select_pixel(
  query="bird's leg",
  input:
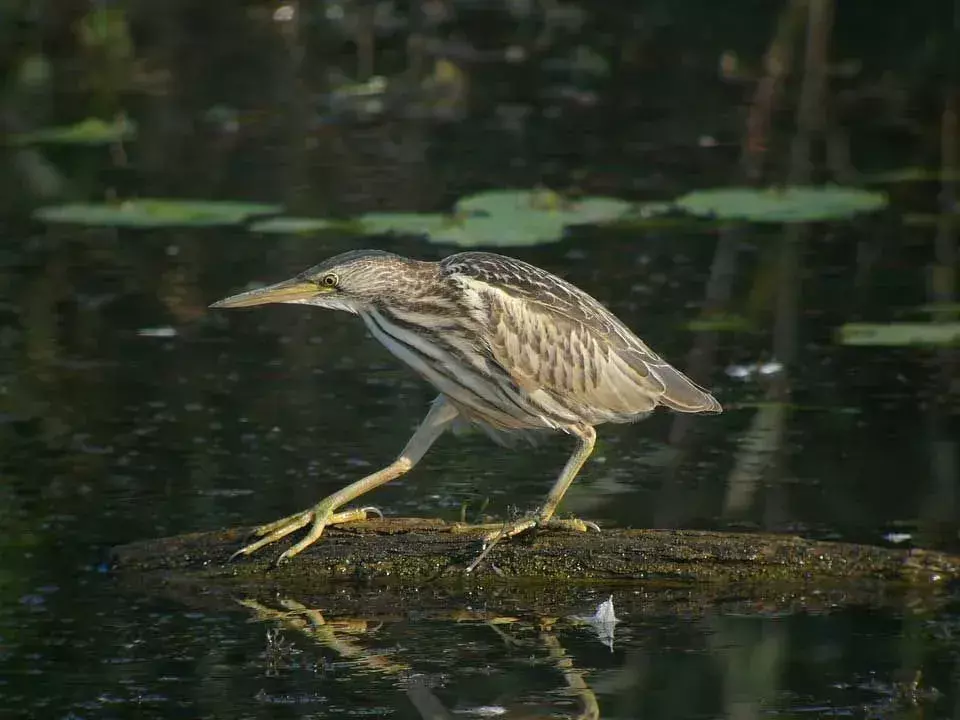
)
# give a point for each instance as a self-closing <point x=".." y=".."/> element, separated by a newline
<point x="322" y="514"/>
<point x="543" y="517"/>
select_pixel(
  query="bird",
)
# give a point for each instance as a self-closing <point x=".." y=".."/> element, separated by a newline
<point x="511" y="348"/>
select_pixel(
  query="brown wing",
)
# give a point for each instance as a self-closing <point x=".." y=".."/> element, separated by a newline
<point x="589" y="370"/>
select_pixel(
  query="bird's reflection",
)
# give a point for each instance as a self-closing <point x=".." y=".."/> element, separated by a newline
<point x="344" y="636"/>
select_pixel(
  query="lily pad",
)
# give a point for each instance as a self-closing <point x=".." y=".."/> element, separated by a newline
<point x="900" y="334"/>
<point x="516" y="218"/>
<point x="720" y="323"/>
<point x="154" y="213"/>
<point x="544" y="205"/>
<point x="494" y="232"/>
<point x="404" y="223"/>
<point x="912" y="174"/>
<point x="460" y="230"/>
<point x="928" y="219"/>
<point x="782" y="205"/>
<point x="940" y="308"/>
<point x="663" y="216"/>
<point x="295" y="225"/>
<point x="92" y="131"/>
<point x="501" y="218"/>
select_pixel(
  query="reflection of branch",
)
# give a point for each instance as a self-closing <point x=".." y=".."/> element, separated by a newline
<point x="426" y="703"/>
<point x="809" y="121"/>
<point x="759" y="448"/>
<point x="777" y="64"/>
<point x="940" y="505"/>
<point x="751" y="657"/>
<point x="943" y="285"/>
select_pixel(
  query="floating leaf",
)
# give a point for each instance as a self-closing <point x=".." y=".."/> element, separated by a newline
<point x="504" y="218"/>
<point x="516" y="218"/>
<point x="540" y="204"/>
<point x="498" y="232"/>
<point x="912" y="174"/>
<point x="404" y="223"/>
<point x="900" y="334"/>
<point x="92" y="131"/>
<point x="652" y="209"/>
<point x="663" y="215"/>
<point x="940" y="308"/>
<point x="928" y="219"/>
<point x="295" y="225"/>
<point x="720" y="323"/>
<point x="152" y="213"/>
<point x="782" y="205"/>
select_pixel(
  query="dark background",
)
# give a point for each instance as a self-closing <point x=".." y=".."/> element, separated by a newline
<point x="110" y="433"/>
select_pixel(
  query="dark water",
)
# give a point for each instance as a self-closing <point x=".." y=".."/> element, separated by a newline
<point x="112" y="432"/>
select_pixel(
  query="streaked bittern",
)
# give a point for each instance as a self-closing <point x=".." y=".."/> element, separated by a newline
<point x="511" y="348"/>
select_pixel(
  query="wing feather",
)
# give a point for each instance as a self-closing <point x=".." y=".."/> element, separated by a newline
<point x="565" y="350"/>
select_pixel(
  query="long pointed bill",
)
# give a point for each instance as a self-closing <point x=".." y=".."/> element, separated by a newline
<point x="288" y="291"/>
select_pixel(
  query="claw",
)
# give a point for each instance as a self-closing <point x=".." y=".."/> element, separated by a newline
<point x="524" y="525"/>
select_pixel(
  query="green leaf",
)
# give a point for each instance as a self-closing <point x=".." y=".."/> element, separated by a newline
<point x="542" y="205"/>
<point x="928" y="219"/>
<point x="404" y="223"/>
<point x="782" y="205"/>
<point x="500" y="218"/>
<point x="720" y="323"/>
<point x="940" y="308"/>
<point x="154" y="213"/>
<point x="295" y="225"/>
<point x="912" y="174"/>
<point x="900" y="334"/>
<point x="92" y="131"/>
<point x="495" y="231"/>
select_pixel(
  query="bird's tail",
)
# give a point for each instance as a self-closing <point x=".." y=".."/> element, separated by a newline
<point x="684" y="395"/>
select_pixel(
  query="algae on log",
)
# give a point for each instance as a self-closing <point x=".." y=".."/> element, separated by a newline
<point x="407" y="550"/>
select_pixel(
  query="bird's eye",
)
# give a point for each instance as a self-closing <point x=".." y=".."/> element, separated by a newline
<point x="329" y="281"/>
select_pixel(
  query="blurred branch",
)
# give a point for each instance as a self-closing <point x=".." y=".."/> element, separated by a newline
<point x="777" y="64"/>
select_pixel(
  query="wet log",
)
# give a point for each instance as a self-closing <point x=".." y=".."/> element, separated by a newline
<point x="416" y="551"/>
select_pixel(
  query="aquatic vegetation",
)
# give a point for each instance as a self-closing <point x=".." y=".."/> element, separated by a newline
<point x="400" y="223"/>
<point x="912" y="174"/>
<point x="294" y="225"/>
<point x="154" y="213"/>
<point x="92" y="131"/>
<point x="900" y="334"/>
<point x="782" y="205"/>
<point x="497" y="218"/>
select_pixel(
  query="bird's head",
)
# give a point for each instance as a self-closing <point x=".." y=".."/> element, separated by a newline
<point x="351" y="281"/>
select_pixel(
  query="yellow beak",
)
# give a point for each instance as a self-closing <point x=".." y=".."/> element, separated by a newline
<point x="295" y="290"/>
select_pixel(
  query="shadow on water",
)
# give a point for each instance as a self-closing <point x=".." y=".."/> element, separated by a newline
<point x="128" y="410"/>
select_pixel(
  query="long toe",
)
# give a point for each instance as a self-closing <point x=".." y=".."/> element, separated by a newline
<point x="271" y="527"/>
<point x="519" y="527"/>
<point x="323" y="516"/>
<point x="575" y="524"/>
<point x="276" y="531"/>
<point x="321" y="520"/>
<point x="354" y="515"/>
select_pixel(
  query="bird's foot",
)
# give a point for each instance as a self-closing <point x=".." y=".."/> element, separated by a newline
<point x="523" y="525"/>
<point x="321" y="515"/>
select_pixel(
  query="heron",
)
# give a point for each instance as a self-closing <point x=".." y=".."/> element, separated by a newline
<point x="511" y="348"/>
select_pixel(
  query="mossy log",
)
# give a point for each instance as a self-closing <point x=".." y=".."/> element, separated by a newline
<point x="408" y="550"/>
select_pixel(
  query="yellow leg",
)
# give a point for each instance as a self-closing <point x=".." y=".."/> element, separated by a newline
<point x="323" y="513"/>
<point x="543" y="517"/>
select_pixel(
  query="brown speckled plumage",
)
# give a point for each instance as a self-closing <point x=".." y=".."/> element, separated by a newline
<point x="510" y="347"/>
